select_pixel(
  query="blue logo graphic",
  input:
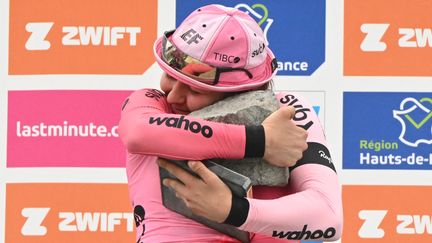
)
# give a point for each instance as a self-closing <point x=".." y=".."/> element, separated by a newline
<point x="413" y="133"/>
<point x="295" y="29"/>
<point x="263" y="20"/>
<point x="387" y="131"/>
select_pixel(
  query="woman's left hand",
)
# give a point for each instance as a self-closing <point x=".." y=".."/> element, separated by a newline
<point x="206" y="196"/>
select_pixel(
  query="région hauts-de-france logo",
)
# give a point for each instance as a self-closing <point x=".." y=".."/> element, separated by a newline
<point x="415" y="117"/>
<point x="385" y="130"/>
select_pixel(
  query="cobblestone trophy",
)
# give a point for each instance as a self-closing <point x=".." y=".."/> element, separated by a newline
<point x="249" y="108"/>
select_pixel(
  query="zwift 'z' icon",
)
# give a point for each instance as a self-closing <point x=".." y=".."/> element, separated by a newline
<point x="416" y="119"/>
<point x="261" y="19"/>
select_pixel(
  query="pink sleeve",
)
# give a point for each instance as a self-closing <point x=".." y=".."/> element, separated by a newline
<point x="148" y="127"/>
<point x="314" y="209"/>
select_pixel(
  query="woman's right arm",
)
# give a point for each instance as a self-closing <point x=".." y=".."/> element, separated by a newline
<point x="147" y="126"/>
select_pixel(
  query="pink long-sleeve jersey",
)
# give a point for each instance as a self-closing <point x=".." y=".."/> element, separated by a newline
<point x="308" y="208"/>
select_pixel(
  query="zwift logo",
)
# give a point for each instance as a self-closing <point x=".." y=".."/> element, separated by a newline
<point x="409" y="37"/>
<point x="408" y="224"/>
<point x="383" y="40"/>
<point x="415" y="118"/>
<point x="74" y="221"/>
<point x="33" y="224"/>
<point x="79" y="35"/>
<point x="372" y="220"/>
<point x="117" y="40"/>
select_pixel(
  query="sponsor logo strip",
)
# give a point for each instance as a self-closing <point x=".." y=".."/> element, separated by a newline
<point x="387" y="131"/>
<point x="387" y="214"/>
<point x="384" y="41"/>
<point x="68" y="213"/>
<point x="64" y="128"/>
<point x="50" y="37"/>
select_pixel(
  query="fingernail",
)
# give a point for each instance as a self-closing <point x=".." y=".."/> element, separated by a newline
<point x="192" y="163"/>
<point x="159" y="162"/>
<point x="165" y="183"/>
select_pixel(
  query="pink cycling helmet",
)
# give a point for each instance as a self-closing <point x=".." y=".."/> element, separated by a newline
<point x="217" y="48"/>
